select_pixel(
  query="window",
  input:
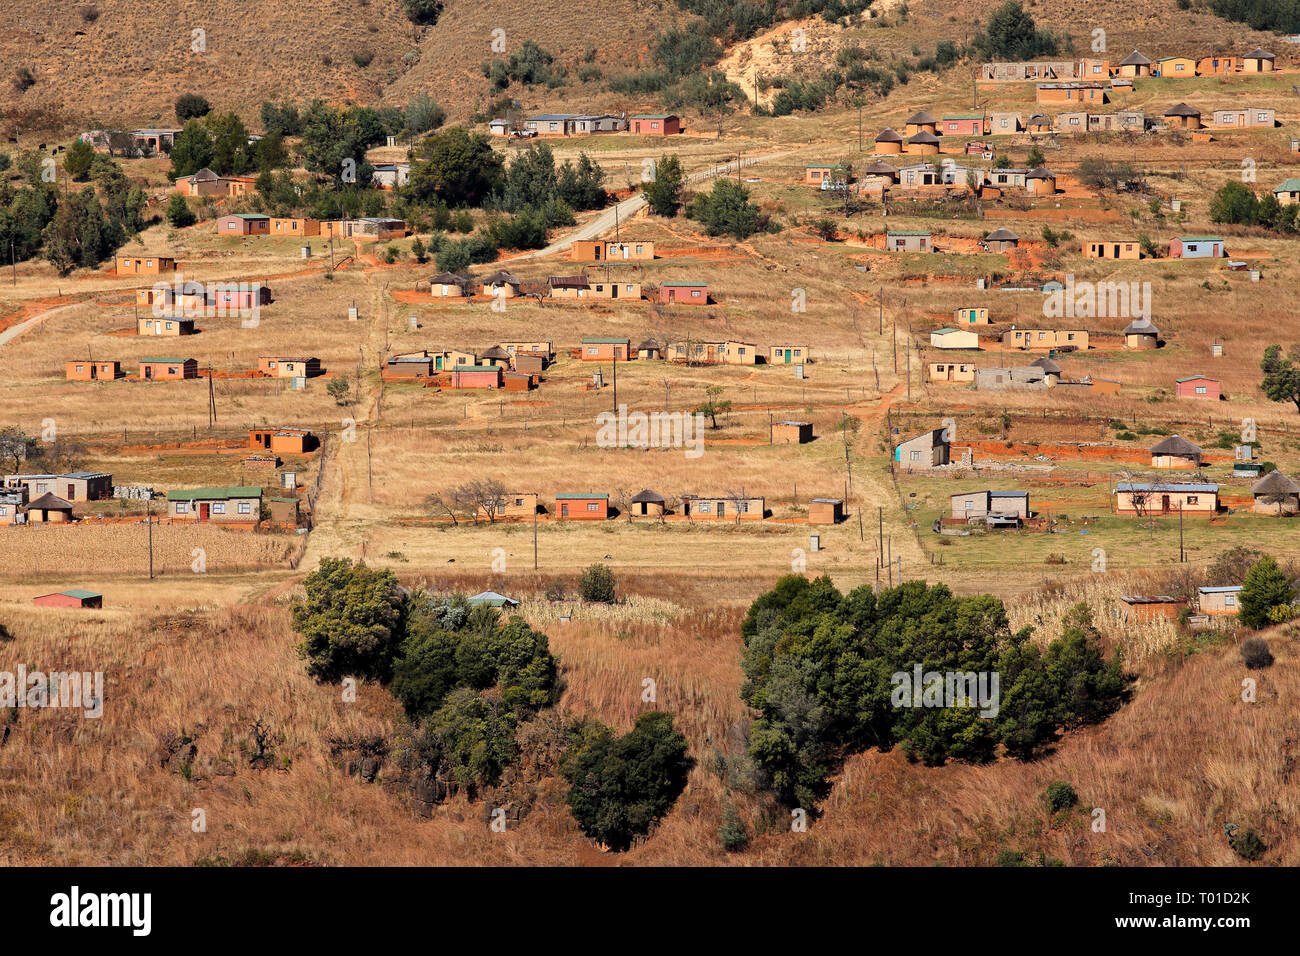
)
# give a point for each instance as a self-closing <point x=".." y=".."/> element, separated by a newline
<point x="172" y="370"/>
<point x="695" y="293"/>
<point x="519" y="502"/>
<point x="1261" y="117"/>
<point x="592" y="506"/>
<point x="706" y="507"/>
<point x="1191" y="247"/>
<point x="1193" y="499"/>
<point x="1230" y="600"/>
<point x="182" y="507"/>
<point x="3" y="510"/>
<point x="169" y="325"/>
<point x="218" y="507"/>
<point x="638" y="249"/>
<point x="915" y="456"/>
<point x="1200" y="390"/>
<point x="245" y="507"/>
<point x="593" y="351"/>
<point x="81" y="368"/>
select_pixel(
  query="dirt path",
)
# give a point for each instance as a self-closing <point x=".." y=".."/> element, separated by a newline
<point x="18" y="329"/>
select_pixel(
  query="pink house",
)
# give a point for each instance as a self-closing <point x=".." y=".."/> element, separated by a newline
<point x="688" y="293"/>
<point x="963" y="124"/>
<point x="476" y="376"/>
<point x="1197" y="386"/>
<point x="655" y="124"/>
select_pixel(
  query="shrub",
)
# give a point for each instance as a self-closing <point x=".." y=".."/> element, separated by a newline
<point x="1255" y="653"/>
<point x="733" y="834"/>
<point x="1060" y="796"/>
<point x="179" y="213"/>
<point x="1248" y="844"/>
<point x="1011" y="858"/>
<point x="597" y="585"/>
<point x="24" y="79"/>
<point x="422" y="11"/>
<point x="191" y="106"/>
<point x="363" y="57"/>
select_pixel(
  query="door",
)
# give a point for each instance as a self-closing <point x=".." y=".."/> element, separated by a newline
<point x="789" y="353"/>
<point x="72" y="492"/>
<point x="722" y="509"/>
<point x="203" y="511"/>
<point x="1116" y="255"/>
<point x="1164" y="504"/>
<point x="148" y="371"/>
<point x="626" y="250"/>
<point x="564" y="511"/>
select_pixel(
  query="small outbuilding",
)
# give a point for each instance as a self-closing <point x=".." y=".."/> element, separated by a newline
<point x="792" y="433"/>
<point x="648" y="504"/>
<point x="825" y="511"/>
<point x="72" y="598"/>
<point x="1175" y="452"/>
<point x="1276" y="494"/>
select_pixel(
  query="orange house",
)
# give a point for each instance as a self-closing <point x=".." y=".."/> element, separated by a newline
<point x="168" y="369"/>
<point x="605" y="350"/>
<point x="584" y="507"/>
<point x="92" y="371"/>
<point x="295" y="227"/>
<point x="144" y="265"/>
<point x="655" y="124"/>
<point x="282" y="441"/>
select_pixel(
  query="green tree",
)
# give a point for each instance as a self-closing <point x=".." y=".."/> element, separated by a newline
<point x="179" y="213"/>
<point x="423" y="114"/>
<point x="1234" y="203"/>
<point x="422" y="11"/>
<point x="77" y="160"/>
<point x="1281" y="381"/>
<point x="455" y="166"/>
<point x="727" y="211"/>
<point x="620" y="787"/>
<point x="597" y="585"/>
<point x="664" y="193"/>
<point x="713" y="404"/>
<point x="192" y="150"/>
<point x="338" y="389"/>
<point x="191" y="106"/>
<point x="733" y="834"/>
<point x="1011" y="34"/>
<point x="1266" y="587"/>
<point x="350" y="620"/>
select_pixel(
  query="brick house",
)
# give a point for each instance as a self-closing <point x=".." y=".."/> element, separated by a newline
<point x="606" y="250"/>
<point x="655" y="124"/>
<point x="825" y="511"/>
<point x="476" y="376"/>
<point x="283" y="441"/>
<point x="238" y="504"/>
<point x="591" y="506"/>
<point x="788" y="354"/>
<point x="1092" y="94"/>
<point x="1165" y="499"/>
<point x="964" y="124"/>
<point x="93" y="371"/>
<point x="684" y="293"/>
<point x="279" y="366"/>
<point x="951" y="372"/>
<point x="1197" y="386"/>
<point x="1134" y="65"/>
<point x="723" y="508"/>
<point x="606" y="349"/>
<point x="70" y="486"/>
<point x="148" y="325"/>
<point x="908" y="240"/>
<point x="1223" y="601"/>
<point x="143" y="265"/>
<point x="244" y="224"/>
<point x="791" y="433"/>
<point x="947" y="338"/>
<point x="168" y="369"/>
<point x="294" y="227"/>
<point x="1112" y="249"/>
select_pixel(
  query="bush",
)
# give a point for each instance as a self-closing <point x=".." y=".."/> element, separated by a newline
<point x="597" y="585"/>
<point x="1011" y="858"/>
<point x="1248" y="844"/>
<point x="363" y="57"/>
<point x="1255" y="653"/>
<point x="1060" y="796"/>
<point x="179" y="213"/>
<point x="191" y="106"/>
<point x="733" y="834"/>
<point x="422" y="11"/>
<point x="620" y="787"/>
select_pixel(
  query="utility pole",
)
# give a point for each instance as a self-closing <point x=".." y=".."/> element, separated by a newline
<point x="882" y="309"/>
<point x="13" y="264"/>
<point x="859" y="127"/>
<point x="212" y="400"/>
<point x="148" y="510"/>
<point x="909" y="369"/>
<point x="615" y="364"/>
<point x="1182" y="557"/>
<point x="534" y="537"/>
